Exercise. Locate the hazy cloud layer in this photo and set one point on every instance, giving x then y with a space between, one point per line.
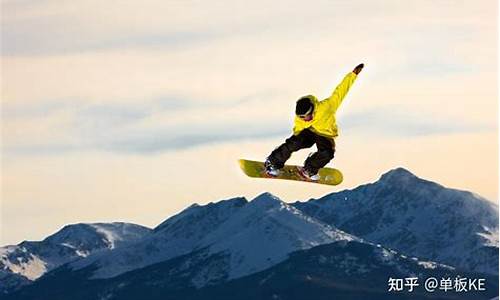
171 123
387 122
165 124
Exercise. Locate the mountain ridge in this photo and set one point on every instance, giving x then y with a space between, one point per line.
222 242
27 261
230 227
417 217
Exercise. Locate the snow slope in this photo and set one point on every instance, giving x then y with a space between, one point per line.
176 236
30 260
345 269
416 217
228 228
264 232
389 223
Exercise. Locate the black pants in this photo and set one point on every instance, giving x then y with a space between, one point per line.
305 139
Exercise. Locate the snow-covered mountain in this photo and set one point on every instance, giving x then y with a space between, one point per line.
346 245
228 229
345 269
176 236
417 217
341 270
20 264
264 232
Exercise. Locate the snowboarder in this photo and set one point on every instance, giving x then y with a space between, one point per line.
314 124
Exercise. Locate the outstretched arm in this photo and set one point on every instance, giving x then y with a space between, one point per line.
341 90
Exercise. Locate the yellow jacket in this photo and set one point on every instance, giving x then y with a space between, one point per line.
323 122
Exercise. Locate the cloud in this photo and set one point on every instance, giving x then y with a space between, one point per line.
152 142
172 123
68 27
171 140
164 124
35 110
393 122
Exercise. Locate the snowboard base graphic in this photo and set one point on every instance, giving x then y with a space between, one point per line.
256 169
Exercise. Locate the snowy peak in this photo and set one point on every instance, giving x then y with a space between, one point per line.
265 202
246 236
32 259
88 236
417 217
70 232
209 244
399 176
265 208
263 233
116 234
178 235
194 223
196 211
266 199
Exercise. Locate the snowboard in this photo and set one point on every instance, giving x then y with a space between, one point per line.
256 169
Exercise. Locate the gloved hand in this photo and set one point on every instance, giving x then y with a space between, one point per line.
358 69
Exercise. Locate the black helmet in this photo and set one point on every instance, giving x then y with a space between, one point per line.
304 106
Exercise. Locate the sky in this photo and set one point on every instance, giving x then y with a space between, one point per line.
134 110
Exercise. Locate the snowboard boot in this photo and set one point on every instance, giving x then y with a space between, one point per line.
271 170
304 173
